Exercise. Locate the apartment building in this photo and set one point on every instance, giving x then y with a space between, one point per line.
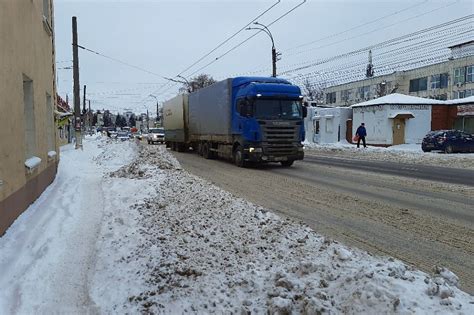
28 145
451 79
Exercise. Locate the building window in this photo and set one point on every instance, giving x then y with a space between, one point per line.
329 125
29 114
331 98
435 81
346 95
49 124
470 73
420 84
459 75
364 92
439 81
463 94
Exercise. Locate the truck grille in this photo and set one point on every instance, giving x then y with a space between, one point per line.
280 140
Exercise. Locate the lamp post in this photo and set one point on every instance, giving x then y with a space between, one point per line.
274 53
157 109
187 82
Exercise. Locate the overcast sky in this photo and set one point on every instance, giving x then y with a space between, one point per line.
166 37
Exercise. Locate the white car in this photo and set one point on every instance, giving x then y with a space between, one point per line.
156 135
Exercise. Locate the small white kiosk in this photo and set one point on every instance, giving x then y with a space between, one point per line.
330 124
394 119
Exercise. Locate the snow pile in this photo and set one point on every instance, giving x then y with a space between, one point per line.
192 247
404 153
170 242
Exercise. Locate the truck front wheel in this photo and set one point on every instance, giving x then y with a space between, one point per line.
239 157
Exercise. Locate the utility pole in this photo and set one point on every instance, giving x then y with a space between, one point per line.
89 120
147 120
370 67
157 113
84 113
275 54
77 101
274 62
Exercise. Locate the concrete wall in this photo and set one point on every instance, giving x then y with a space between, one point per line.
26 49
399 82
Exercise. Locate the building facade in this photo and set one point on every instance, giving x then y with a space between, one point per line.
398 119
451 79
28 145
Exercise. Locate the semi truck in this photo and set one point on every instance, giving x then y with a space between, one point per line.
243 119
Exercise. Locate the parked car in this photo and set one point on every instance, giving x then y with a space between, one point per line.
156 135
448 141
123 135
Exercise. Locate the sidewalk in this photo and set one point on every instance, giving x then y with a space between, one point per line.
124 230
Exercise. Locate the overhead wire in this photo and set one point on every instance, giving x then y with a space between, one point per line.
357 26
375 30
250 37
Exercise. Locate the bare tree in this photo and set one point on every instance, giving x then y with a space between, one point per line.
314 91
197 83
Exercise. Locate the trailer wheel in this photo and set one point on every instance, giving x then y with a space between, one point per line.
206 152
239 157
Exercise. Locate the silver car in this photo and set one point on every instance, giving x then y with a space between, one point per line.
156 135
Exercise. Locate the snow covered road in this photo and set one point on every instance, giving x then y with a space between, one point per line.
124 230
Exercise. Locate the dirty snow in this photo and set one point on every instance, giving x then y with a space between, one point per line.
403 153
133 232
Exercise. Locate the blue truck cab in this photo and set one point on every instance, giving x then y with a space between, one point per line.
267 119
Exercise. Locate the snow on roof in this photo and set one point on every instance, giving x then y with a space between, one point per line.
466 100
397 98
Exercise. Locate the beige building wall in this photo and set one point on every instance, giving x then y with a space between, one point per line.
399 82
26 50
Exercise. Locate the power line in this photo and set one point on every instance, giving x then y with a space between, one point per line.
379 45
229 38
374 30
358 26
250 37
121 62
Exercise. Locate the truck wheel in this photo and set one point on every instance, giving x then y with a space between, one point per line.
206 152
239 157
286 163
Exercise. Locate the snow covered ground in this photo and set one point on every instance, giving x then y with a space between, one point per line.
124 230
404 153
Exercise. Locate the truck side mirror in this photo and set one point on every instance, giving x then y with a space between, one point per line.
305 111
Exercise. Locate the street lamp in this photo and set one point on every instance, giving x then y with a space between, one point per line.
274 53
187 82
157 110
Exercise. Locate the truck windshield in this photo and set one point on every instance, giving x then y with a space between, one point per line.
277 109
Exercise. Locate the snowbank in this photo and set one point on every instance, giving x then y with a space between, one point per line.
193 247
132 232
403 153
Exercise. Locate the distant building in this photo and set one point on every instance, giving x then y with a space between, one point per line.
28 146
63 115
451 79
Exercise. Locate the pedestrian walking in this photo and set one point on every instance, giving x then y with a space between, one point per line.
361 133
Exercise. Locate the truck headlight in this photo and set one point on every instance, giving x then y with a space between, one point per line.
256 150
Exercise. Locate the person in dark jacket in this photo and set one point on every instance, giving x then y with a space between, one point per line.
361 133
